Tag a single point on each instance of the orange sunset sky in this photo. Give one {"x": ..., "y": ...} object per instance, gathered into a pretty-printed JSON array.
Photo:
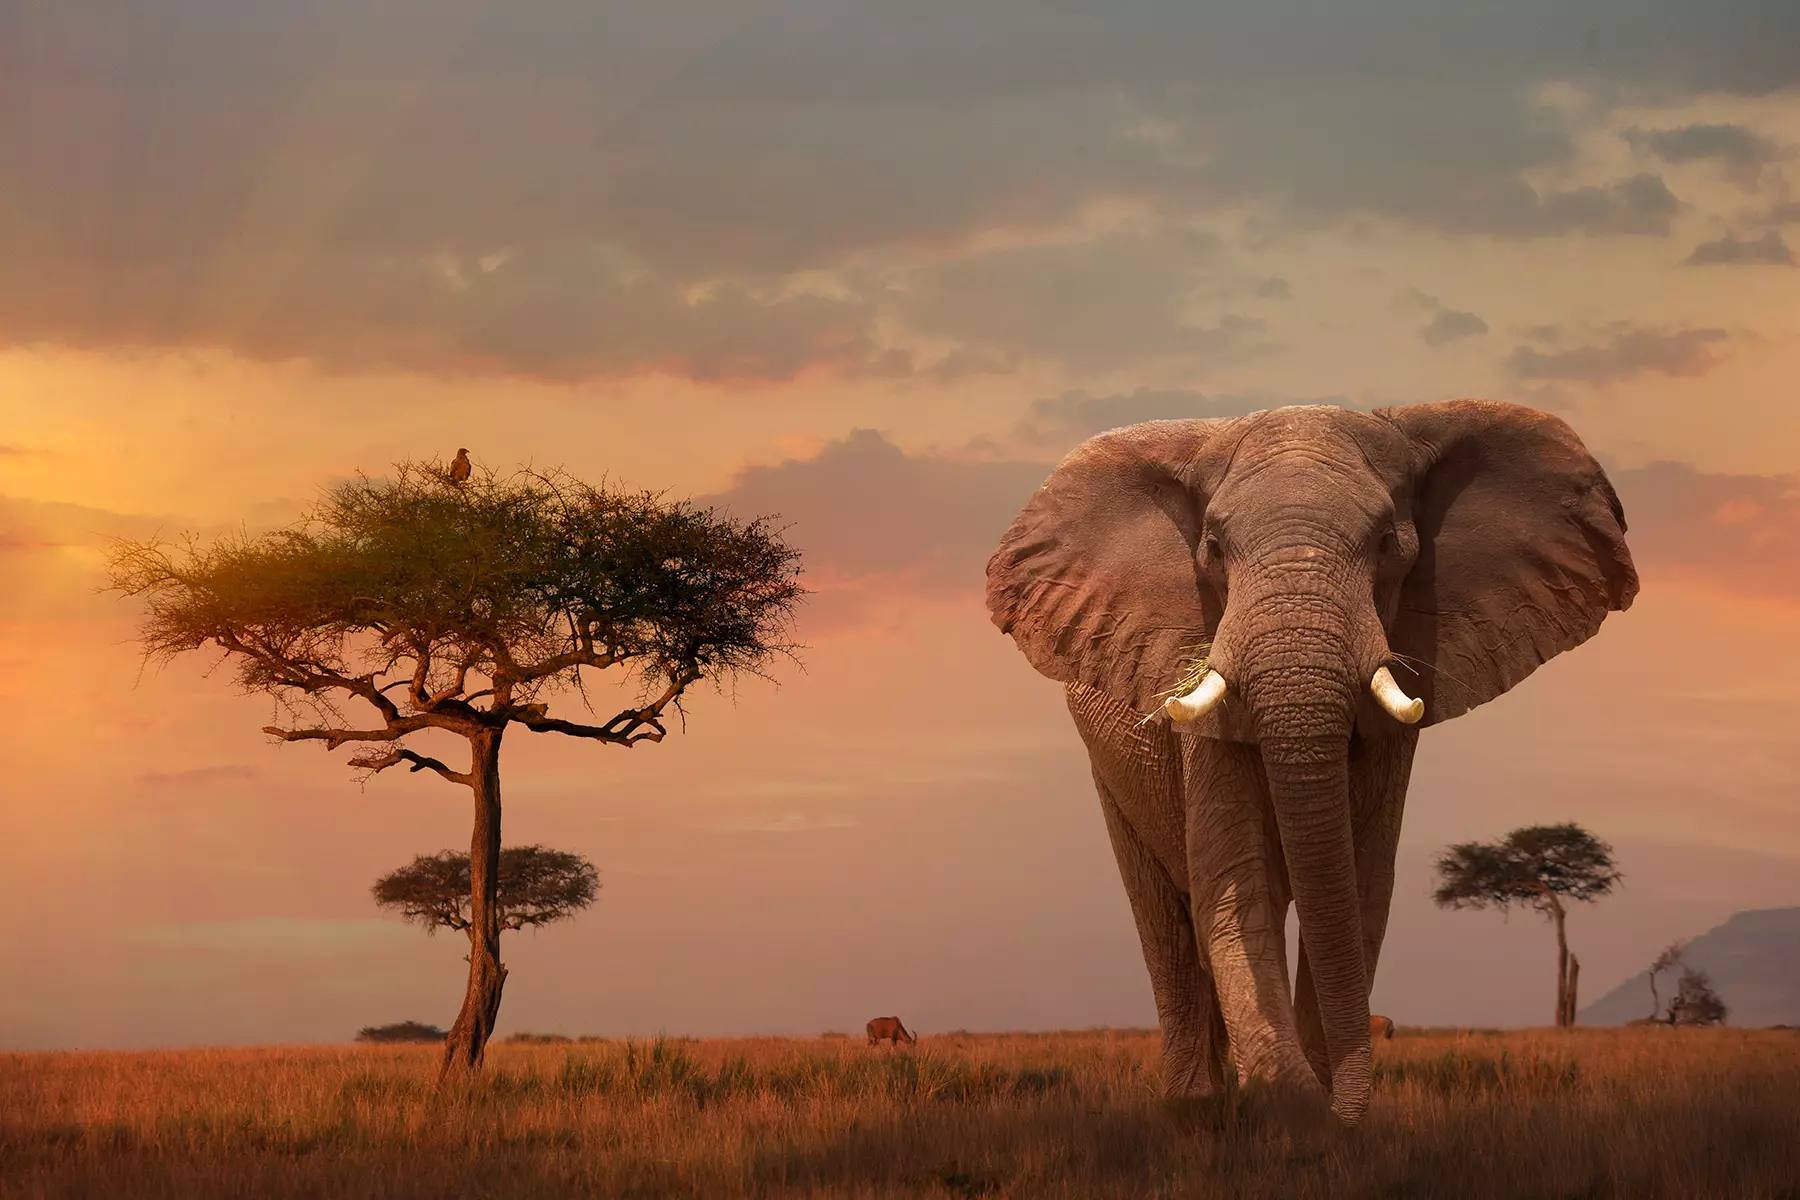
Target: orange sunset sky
[{"x": 873, "y": 267}]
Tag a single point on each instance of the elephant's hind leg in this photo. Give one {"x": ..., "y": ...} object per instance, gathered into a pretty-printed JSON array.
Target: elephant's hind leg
[{"x": 1192, "y": 1032}]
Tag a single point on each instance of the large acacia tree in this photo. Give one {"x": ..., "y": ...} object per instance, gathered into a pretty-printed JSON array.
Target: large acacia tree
[
  {"x": 1539, "y": 867},
  {"x": 418, "y": 603}
]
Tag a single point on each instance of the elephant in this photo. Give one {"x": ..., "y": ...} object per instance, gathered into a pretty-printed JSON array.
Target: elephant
[
  {"x": 891, "y": 1029},
  {"x": 1380, "y": 1026},
  {"x": 1263, "y": 577}
]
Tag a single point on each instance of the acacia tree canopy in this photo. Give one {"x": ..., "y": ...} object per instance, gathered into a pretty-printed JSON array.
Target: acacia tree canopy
[
  {"x": 536, "y": 886},
  {"x": 471, "y": 601},
  {"x": 1529, "y": 866}
]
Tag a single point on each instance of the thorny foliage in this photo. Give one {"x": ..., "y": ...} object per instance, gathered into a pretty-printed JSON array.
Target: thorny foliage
[
  {"x": 1529, "y": 866},
  {"x": 537, "y": 885},
  {"x": 1695, "y": 1001},
  {"x": 498, "y": 589}
]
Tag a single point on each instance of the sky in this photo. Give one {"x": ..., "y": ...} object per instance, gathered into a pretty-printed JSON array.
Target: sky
[{"x": 873, "y": 268}]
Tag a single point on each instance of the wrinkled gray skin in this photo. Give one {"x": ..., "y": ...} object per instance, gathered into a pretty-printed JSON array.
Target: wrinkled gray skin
[{"x": 1460, "y": 543}]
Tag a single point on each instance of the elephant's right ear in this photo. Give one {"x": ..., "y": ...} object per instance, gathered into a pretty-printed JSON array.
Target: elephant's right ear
[{"x": 1096, "y": 580}]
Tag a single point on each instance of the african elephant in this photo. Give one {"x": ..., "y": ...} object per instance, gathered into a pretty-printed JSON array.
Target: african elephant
[
  {"x": 1263, "y": 577},
  {"x": 1380, "y": 1026}
]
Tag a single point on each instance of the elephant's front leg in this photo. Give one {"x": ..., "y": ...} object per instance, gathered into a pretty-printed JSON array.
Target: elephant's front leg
[
  {"x": 1237, "y": 888},
  {"x": 1380, "y": 768},
  {"x": 1192, "y": 1033}
]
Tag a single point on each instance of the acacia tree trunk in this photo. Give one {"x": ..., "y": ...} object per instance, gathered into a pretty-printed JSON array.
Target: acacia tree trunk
[
  {"x": 1562, "y": 960},
  {"x": 1569, "y": 1003},
  {"x": 467, "y": 1042}
]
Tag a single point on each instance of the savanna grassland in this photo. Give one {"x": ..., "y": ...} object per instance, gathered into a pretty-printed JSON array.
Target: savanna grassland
[{"x": 1600, "y": 1113}]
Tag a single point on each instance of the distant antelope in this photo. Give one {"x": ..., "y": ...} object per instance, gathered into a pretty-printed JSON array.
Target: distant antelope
[
  {"x": 891, "y": 1029},
  {"x": 1380, "y": 1027}
]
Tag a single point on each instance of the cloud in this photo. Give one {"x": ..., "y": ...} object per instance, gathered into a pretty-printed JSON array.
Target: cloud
[
  {"x": 1452, "y": 325},
  {"x": 1056, "y": 423},
  {"x": 1629, "y": 352},
  {"x": 270, "y": 935},
  {"x": 1742, "y": 152},
  {"x": 1093, "y": 305},
  {"x": 1785, "y": 213},
  {"x": 1738, "y": 533},
  {"x": 1767, "y": 250},
  {"x": 200, "y": 776},
  {"x": 12, "y": 450},
  {"x": 568, "y": 191},
  {"x": 863, "y": 508},
  {"x": 786, "y": 823},
  {"x": 552, "y": 308}
]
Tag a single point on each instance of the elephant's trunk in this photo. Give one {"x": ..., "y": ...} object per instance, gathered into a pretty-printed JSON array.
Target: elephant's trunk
[
  {"x": 1302, "y": 661},
  {"x": 1309, "y": 789}
]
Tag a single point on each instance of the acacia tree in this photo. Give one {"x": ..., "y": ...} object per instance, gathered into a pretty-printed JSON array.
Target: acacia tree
[
  {"x": 1539, "y": 866},
  {"x": 534, "y": 885},
  {"x": 436, "y": 605},
  {"x": 1695, "y": 1002}
]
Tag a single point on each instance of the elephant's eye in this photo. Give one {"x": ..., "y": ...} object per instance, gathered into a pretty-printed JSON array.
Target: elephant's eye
[
  {"x": 1389, "y": 543},
  {"x": 1211, "y": 548}
]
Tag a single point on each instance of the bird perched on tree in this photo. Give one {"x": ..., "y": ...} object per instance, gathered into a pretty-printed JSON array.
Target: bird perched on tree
[{"x": 459, "y": 466}]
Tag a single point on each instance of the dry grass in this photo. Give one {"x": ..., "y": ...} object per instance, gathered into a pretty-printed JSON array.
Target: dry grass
[{"x": 1628, "y": 1113}]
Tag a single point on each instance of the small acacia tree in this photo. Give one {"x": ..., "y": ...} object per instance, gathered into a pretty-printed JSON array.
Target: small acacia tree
[
  {"x": 433, "y": 604},
  {"x": 1695, "y": 1002},
  {"x": 533, "y": 886},
  {"x": 1540, "y": 867}
]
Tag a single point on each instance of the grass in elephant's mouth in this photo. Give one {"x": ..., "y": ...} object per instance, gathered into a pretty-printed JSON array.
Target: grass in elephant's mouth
[
  {"x": 1194, "y": 665},
  {"x": 1641, "y": 1113}
]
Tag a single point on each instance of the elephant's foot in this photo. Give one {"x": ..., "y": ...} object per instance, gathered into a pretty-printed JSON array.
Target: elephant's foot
[
  {"x": 1186, "y": 1074},
  {"x": 1283, "y": 1066}
]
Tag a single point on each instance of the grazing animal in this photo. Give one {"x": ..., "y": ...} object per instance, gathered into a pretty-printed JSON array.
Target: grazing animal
[
  {"x": 891, "y": 1029},
  {"x": 1380, "y": 1027},
  {"x": 459, "y": 466}
]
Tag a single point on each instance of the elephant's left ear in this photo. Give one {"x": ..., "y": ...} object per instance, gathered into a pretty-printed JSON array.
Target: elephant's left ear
[{"x": 1521, "y": 550}]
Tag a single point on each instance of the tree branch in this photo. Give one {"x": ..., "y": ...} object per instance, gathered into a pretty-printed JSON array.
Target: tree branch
[
  {"x": 584, "y": 656},
  {"x": 420, "y": 762},
  {"x": 630, "y": 727},
  {"x": 398, "y": 728},
  {"x": 295, "y": 674}
]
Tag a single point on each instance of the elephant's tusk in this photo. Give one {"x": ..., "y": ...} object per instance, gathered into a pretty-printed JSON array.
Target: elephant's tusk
[
  {"x": 1399, "y": 705},
  {"x": 1198, "y": 701}
]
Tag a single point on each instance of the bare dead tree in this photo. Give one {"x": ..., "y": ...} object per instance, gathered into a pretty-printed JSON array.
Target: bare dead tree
[
  {"x": 1665, "y": 961},
  {"x": 463, "y": 608}
]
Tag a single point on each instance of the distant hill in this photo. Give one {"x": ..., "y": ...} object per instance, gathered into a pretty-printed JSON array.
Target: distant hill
[{"x": 1754, "y": 961}]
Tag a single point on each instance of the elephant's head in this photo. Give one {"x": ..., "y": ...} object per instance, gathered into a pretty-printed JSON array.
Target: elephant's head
[{"x": 1322, "y": 553}]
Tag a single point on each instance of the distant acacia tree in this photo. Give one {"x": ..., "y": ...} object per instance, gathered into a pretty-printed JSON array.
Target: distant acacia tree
[
  {"x": 534, "y": 886},
  {"x": 432, "y": 603},
  {"x": 405, "y": 1031},
  {"x": 1695, "y": 1002},
  {"x": 1539, "y": 867}
]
